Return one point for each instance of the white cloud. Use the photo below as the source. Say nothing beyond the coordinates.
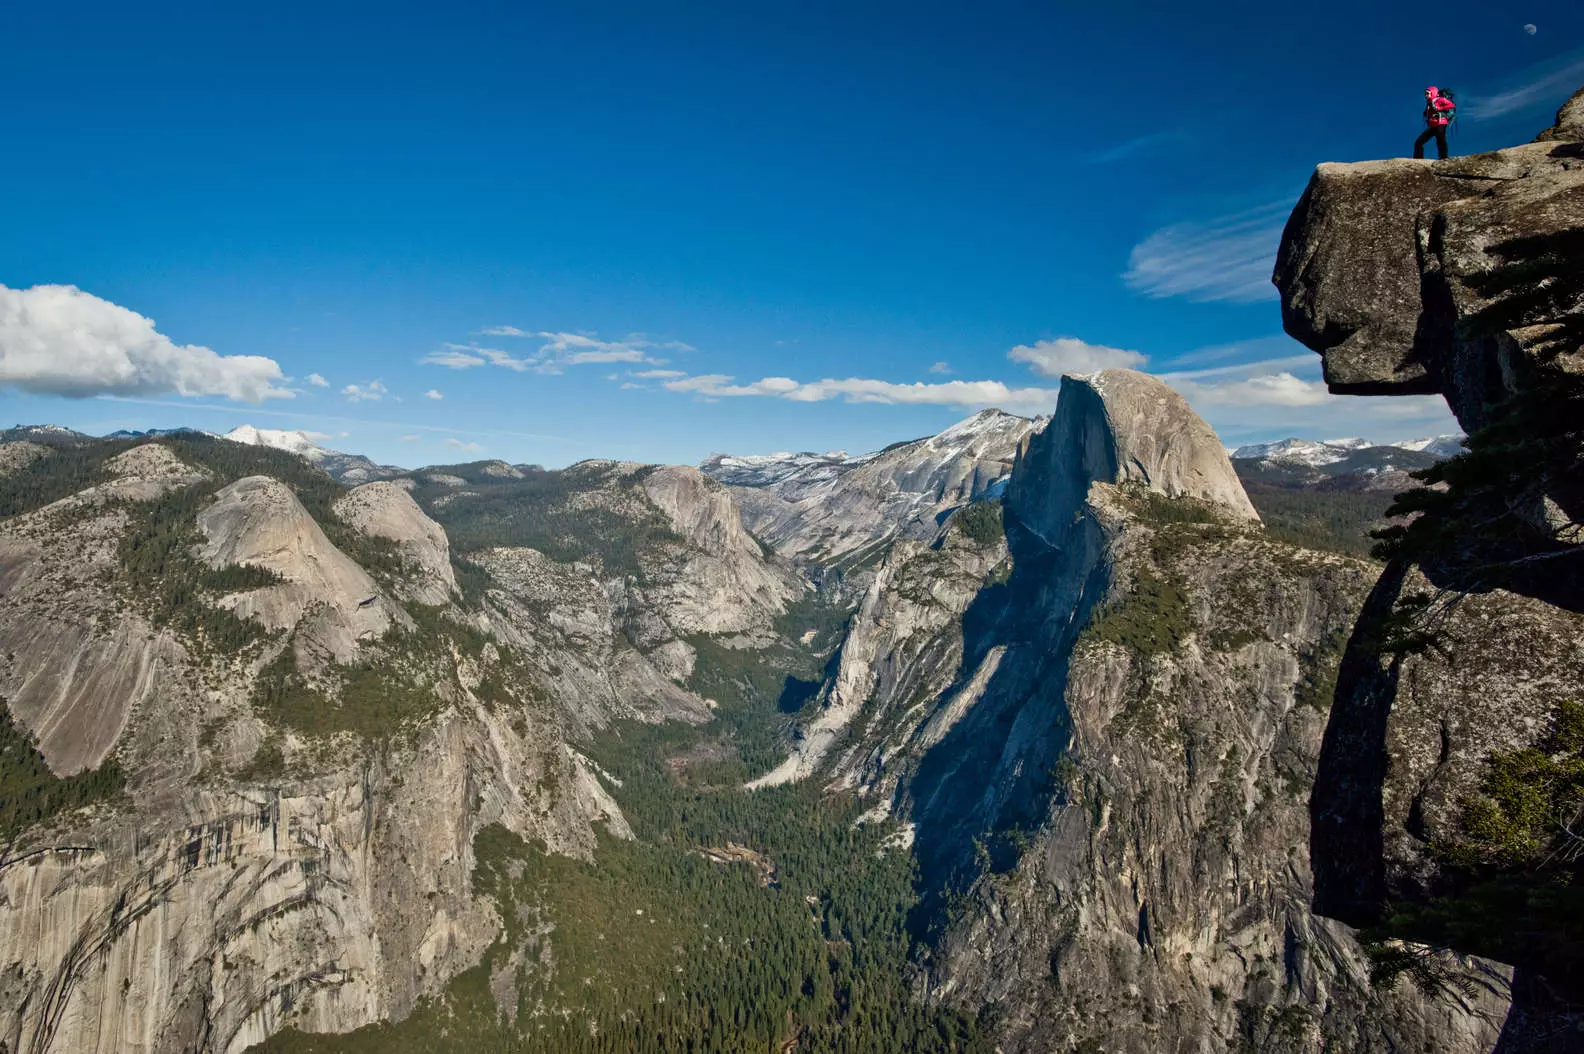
(1122, 151)
(1531, 28)
(371, 392)
(434, 393)
(457, 444)
(966, 394)
(1271, 389)
(1271, 399)
(59, 340)
(941, 367)
(660, 375)
(1052, 358)
(1228, 258)
(317, 381)
(558, 351)
(1545, 85)
(628, 386)
(409, 439)
(453, 359)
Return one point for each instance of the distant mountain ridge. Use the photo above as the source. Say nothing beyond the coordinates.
(837, 508)
(1316, 453)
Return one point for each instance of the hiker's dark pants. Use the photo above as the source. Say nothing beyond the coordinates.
(1436, 132)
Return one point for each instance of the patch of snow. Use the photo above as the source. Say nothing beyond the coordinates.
(295, 442)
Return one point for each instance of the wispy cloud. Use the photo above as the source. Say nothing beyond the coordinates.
(1053, 358)
(659, 375)
(1228, 258)
(941, 367)
(458, 444)
(455, 357)
(410, 439)
(317, 381)
(372, 392)
(1246, 369)
(1254, 349)
(1284, 396)
(1545, 85)
(1141, 144)
(434, 393)
(558, 351)
(965, 394)
(59, 340)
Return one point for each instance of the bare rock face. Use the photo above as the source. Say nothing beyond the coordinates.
(219, 899)
(723, 582)
(562, 617)
(1121, 426)
(1406, 276)
(1455, 277)
(1109, 823)
(830, 510)
(388, 511)
(259, 522)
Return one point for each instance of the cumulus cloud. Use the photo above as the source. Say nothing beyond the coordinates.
(457, 444)
(317, 381)
(59, 340)
(965, 394)
(372, 392)
(1229, 258)
(941, 367)
(1052, 358)
(434, 393)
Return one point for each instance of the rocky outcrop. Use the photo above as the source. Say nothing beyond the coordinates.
(258, 522)
(327, 903)
(720, 581)
(844, 511)
(386, 510)
(258, 873)
(1456, 277)
(1108, 820)
(1415, 276)
(565, 622)
(1119, 427)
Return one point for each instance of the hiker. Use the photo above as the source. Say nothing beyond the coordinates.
(1438, 113)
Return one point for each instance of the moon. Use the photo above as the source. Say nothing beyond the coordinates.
(1531, 28)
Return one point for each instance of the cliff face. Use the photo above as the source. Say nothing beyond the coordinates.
(1421, 276)
(1459, 278)
(841, 511)
(309, 727)
(1098, 714)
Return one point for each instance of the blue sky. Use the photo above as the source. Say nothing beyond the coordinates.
(656, 231)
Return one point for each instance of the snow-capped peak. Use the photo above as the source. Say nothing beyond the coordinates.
(1440, 446)
(1317, 453)
(297, 442)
